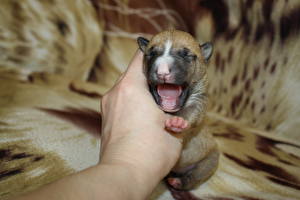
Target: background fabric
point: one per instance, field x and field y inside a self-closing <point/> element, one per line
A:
<point x="57" y="58"/>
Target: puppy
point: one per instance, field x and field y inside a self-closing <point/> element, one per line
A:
<point x="175" y="67"/>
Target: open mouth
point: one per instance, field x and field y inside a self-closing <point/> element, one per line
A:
<point x="169" y="97"/>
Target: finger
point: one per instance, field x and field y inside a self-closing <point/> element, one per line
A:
<point x="135" y="68"/>
<point x="134" y="73"/>
<point x="120" y="78"/>
<point x="115" y="84"/>
<point x="137" y="63"/>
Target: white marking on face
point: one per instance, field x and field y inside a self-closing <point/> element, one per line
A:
<point x="168" y="46"/>
<point x="166" y="58"/>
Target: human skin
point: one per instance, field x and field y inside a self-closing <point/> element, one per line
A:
<point x="136" y="150"/>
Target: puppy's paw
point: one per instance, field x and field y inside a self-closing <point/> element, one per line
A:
<point x="176" y="124"/>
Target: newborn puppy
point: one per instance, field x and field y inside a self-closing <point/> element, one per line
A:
<point x="175" y="67"/>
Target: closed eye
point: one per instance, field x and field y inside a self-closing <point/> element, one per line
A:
<point x="186" y="54"/>
<point x="183" y="52"/>
<point x="153" y="52"/>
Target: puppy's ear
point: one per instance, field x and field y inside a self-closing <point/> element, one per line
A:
<point x="206" y="50"/>
<point x="142" y="42"/>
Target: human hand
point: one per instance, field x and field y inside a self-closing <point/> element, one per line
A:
<point x="136" y="150"/>
<point x="133" y="129"/>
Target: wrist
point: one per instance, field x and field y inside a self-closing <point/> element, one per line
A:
<point x="126" y="181"/>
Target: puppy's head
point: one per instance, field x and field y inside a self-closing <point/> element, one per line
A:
<point x="174" y="63"/>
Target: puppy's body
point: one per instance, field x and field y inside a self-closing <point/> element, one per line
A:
<point x="175" y="67"/>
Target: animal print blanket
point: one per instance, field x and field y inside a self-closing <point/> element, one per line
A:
<point x="57" y="58"/>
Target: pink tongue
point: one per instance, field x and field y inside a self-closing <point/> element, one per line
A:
<point x="169" y="96"/>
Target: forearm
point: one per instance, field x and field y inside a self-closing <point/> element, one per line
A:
<point x="95" y="183"/>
